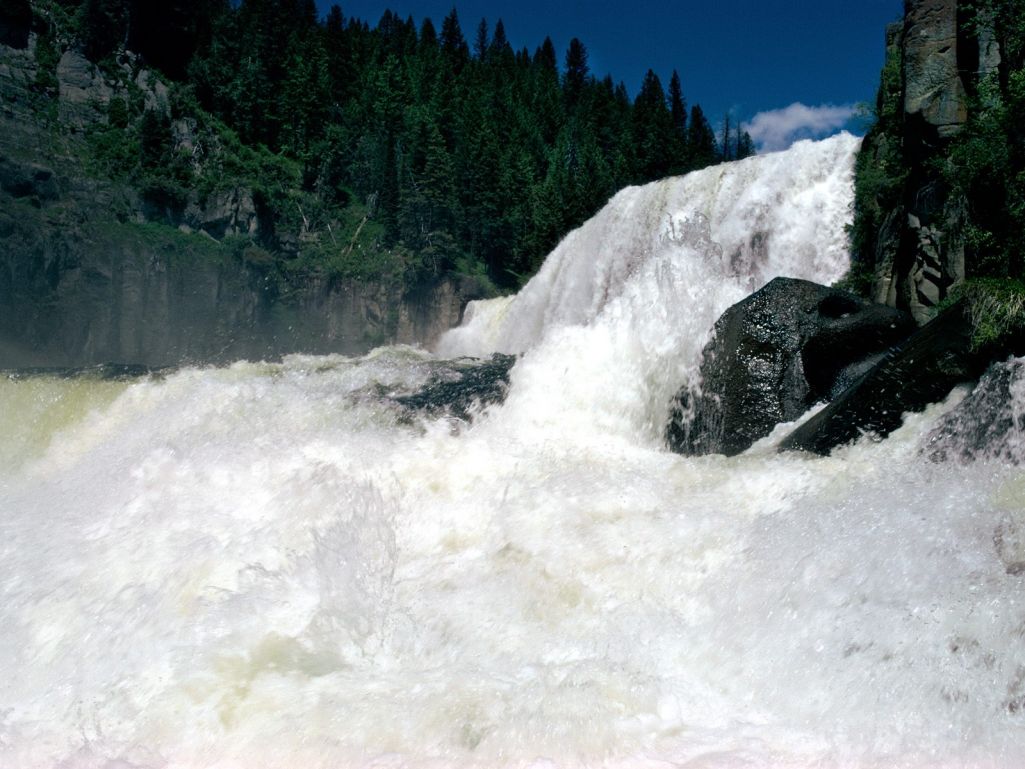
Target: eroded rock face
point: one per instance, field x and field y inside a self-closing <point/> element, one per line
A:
<point x="933" y="88"/>
<point x="84" y="92"/>
<point x="989" y="423"/>
<point x="917" y="255"/>
<point x="784" y="348"/>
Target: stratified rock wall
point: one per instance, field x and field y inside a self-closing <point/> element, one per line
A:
<point x="917" y="251"/>
<point x="76" y="294"/>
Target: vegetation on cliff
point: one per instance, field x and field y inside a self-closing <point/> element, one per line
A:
<point x="971" y="184"/>
<point x="390" y="151"/>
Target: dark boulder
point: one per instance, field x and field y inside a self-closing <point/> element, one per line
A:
<point x="989" y="423"/>
<point x="460" y="388"/>
<point x="922" y="370"/>
<point x="790" y="345"/>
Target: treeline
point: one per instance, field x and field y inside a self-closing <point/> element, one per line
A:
<point x="464" y="151"/>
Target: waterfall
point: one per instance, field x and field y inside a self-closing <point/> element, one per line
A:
<point x="270" y="565"/>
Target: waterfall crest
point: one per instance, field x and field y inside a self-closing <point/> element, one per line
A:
<point x="745" y="222"/>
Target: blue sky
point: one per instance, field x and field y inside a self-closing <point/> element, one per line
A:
<point x="743" y="56"/>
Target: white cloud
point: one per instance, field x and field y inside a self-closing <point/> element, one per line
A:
<point x="779" y="128"/>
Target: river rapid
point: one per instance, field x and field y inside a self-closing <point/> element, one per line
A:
<point x="270" y="565"/>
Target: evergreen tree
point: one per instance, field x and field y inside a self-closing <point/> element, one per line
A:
<point x="653" y="130"/>
<point x="339" y="61"/>
<point x="544" y="57"/>
<point x="744" y="145"/>
<point x="726" y="139"/>
<point x="499" y="43"/>
<point x="452" y="41"/>
<point x="679" y="159"/>
<point x="306" y="95"/>
<point x="428" y="35"/>
<point x="483" y="42"/>
<point x="576" y="72"/>
<point x="700" y="140"/>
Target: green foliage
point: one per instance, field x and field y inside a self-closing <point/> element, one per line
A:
<point x="47" y="56"/>
<point x="996" y="308"/>
<point x="987" y="169"/>
<point x="880" y="173"/>
<point x="381" y="151"/>
<point x="858" y="280"/>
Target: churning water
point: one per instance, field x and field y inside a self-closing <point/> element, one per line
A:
<point x="267" y="565"/>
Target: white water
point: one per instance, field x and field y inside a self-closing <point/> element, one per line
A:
<point x="260" y="566"/>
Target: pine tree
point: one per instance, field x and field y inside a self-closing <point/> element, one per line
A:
<point x="576" y="72"/>
<point x="339" y="64"/>
<point x="700" y="140"/>
<point x="544" y="57"/>
<point x="652" y="130"/>
<point x="428" y="35"/>
<point x="678" y="112"/>
<point x="744" y="146"/>
<point x="499" y="43"/>
<point x="482" y="43"/>
<point x="726" y="139"/>
<point x="305" y="95"/>
<point x="452" y="41"/>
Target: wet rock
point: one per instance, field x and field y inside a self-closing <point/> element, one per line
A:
<point x="989" y="423"/>
<point x="461" y="387"/>
<point x="922" y="370"/>
<point x="784" y="348"/>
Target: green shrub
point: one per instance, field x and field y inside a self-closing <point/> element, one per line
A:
<point x="996" y="308"/>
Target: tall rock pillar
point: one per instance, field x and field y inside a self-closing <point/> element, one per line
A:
<point x="931" y="258"/>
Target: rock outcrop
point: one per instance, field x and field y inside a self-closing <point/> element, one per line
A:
<point x="460" y="388"/>
<point x="74" y="293"/>
<point x="784" y="348"/>
<point x="933" y="91"/>
<point x="922" y="370"/>
<point x="936" y="60"/>
<point x="989" y="423"/>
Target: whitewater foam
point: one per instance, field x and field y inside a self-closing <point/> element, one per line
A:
<point x="265" y="566"/>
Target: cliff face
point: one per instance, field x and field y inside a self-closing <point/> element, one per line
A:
<point x="91" y="271"/>
<point x="75" y="292"/>
<point x="914" y="229"/>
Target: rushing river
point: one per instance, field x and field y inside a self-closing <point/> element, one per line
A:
<point x="270" y="566"/>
